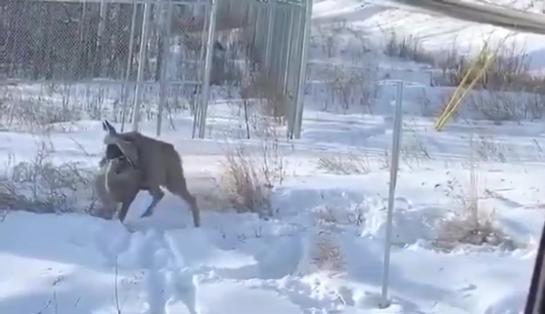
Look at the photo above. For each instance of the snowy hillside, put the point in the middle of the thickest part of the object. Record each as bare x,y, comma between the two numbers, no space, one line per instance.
321,248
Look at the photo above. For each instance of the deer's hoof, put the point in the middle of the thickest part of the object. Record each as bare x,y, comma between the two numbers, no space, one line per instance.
147,213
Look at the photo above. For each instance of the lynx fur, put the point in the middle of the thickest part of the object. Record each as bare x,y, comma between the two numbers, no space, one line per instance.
117,183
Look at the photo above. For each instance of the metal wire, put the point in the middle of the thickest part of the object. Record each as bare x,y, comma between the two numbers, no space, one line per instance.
121,42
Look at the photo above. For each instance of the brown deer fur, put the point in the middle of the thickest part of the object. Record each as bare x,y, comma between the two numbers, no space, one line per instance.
158,165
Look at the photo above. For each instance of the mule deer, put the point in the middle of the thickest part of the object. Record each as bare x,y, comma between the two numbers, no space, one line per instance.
158,165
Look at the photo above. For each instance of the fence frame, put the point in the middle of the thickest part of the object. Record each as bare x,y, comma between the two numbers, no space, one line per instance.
277,61
282,54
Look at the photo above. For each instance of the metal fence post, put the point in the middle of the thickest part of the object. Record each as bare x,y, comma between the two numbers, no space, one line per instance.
207,68
288,51
165,48
125,92
396,139
270,26
141,62
294,67
298,119
202,60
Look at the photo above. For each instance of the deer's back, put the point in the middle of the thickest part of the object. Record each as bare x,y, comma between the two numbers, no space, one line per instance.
157,161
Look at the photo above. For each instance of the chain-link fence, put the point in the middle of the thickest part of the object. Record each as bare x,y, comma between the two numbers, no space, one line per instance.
275,36
166,52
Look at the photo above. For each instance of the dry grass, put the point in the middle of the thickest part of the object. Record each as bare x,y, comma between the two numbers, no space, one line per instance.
500,106
349,86
326,253
488,149
44,187
249,178
469,223
33,114
509,71
413,148
465,229
345,164
408,48
245,183
274,104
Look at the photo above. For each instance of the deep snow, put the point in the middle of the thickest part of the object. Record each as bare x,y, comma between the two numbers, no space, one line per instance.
322,250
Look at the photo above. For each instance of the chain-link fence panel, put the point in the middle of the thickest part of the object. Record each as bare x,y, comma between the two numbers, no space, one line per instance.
101,46
145,53
261,47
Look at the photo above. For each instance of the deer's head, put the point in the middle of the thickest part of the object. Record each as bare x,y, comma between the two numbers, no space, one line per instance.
117,147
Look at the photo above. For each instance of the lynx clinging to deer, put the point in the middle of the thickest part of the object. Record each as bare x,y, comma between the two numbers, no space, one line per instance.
136,162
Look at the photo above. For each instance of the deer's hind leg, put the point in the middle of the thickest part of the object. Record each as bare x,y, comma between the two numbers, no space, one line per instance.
157,194
179,187
124,207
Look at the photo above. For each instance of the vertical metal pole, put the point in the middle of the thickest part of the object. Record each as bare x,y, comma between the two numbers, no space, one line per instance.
270,25
125,91
295,66
141,61
275,56
256,30
398,118
473,202
100,36
207,68
288,51
303,71
283,47
165,44
200,74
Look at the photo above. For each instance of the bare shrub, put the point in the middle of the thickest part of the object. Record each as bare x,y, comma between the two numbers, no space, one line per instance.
497,106
41,186
263,87
447,61
464,229
348,86
34,114
489,150
500,106
468,223
385,160
408,48
363,48
245,184
426,104
509,71
539,149
345,164
248,178
327,39
413,149
534,106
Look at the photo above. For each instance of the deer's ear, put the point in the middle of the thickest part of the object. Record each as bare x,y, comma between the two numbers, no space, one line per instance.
108,127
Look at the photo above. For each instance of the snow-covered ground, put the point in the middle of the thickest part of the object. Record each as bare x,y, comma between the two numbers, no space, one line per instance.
322,250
